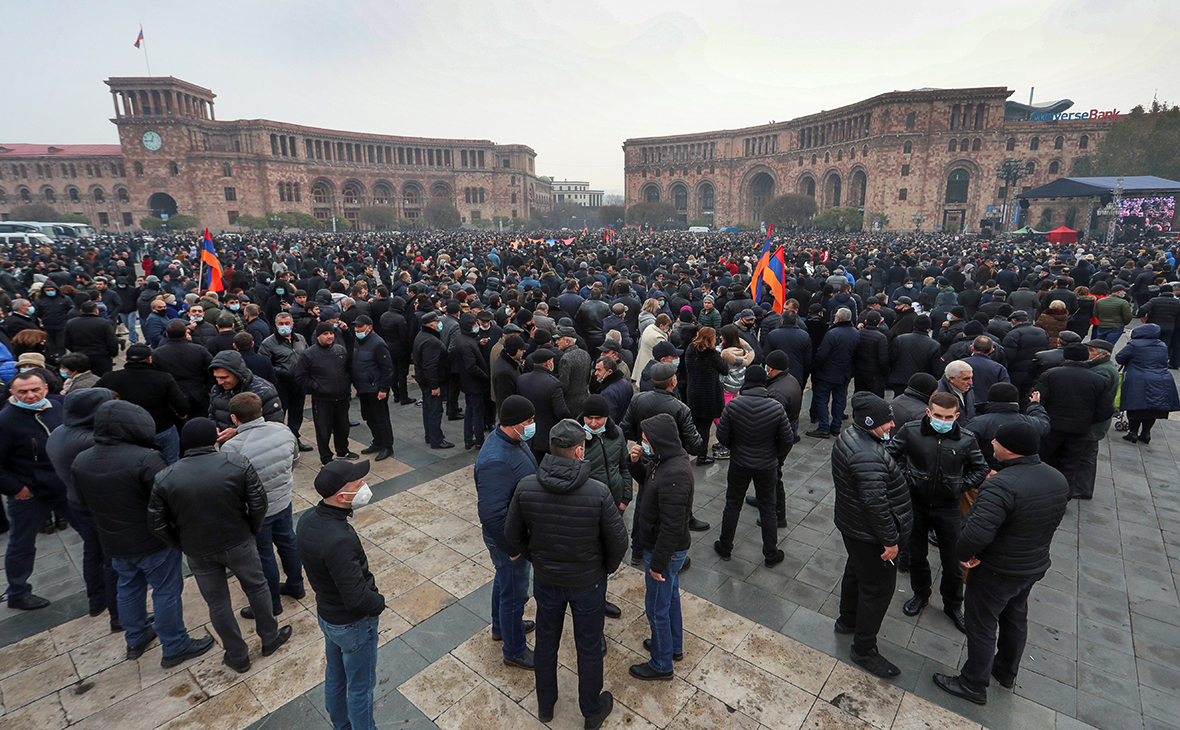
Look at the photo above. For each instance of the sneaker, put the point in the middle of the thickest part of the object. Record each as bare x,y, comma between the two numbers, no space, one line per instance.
593,722
349,455
194,650
720,452
874,663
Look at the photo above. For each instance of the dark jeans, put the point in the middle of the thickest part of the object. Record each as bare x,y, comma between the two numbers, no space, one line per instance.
473,418
1087,470
510,591
398,387
210,572
1172,339
161,571
662,603
102,582
838,392
588,608
1110,334
451,391
351,674
865,592
168,444
25,519
994,602
946,523
292,397
432,411
278,534
780,492
738,483
331,421
375,413
873,384
1066,452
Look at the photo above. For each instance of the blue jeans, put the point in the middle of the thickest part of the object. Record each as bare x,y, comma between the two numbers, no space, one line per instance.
25,518
131,322
101,579
351,675
432,411
589,609
1110,334
838,392
662,604
510,591
277,532
168,442
161,571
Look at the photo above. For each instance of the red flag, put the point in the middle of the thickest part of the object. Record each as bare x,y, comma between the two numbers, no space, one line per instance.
212,265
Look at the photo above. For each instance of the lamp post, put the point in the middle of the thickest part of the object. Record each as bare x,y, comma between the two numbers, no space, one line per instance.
918,218
1010,171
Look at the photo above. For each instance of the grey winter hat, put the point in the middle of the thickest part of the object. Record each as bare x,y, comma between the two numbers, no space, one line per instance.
566,434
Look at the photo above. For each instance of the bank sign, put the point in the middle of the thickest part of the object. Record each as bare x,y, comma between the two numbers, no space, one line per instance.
1112,115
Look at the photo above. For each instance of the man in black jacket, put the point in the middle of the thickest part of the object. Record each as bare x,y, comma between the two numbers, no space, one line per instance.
432,370
570,528
757,431
142,383
871,360
322,370
372,371
1020,347
832,370
1076,398
474,379
94,337
1164,310
912,353
942,461
542,388
1002,408
873,514
1005,544
188,364
210,505
347,601
284,348
395,330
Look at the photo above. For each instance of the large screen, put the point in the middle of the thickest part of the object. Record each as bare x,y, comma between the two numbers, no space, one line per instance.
1147,213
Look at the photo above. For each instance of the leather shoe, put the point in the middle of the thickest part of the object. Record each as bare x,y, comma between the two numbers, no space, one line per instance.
248,612
524,661
296,593
97,610
675,657
371,449
135,651
778,557
383,454
914,606
456,417
644,671
195,649
876,664
407,401
957,618
817,434
28,602
751,500
1005,683
703,461
239,668
687,564
272,647
720,550
545,716
841,628
444,444
954,686
697,525
782,523
613,611
529,627
350,455
304,447
607,703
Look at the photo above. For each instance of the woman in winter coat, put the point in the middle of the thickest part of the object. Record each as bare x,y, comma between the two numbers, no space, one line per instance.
1149,392
1079,321
648,340
647,315
1053,320
705,368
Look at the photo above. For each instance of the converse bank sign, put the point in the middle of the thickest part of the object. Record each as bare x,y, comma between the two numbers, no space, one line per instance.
1113,115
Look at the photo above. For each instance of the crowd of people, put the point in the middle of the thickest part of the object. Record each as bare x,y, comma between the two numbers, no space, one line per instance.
594,375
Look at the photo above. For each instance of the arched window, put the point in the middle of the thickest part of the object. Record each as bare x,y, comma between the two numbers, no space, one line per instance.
864,151
800,160
952,146
680,195
139,169
1054,167
352,194
813,159
26,196
1032,168
226,170
840,155
282,192
976,144
956,186
963,144
411,195
907,148
706,197
1034,143
319,192
1011,145
3,197
75,196
1058,142
50,196
122,195
381,194
852,153
809,187
1084,142
99,196
827,157
174,169
909,120
653,194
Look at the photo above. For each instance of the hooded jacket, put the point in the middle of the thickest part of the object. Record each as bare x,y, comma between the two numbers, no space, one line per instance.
661,520
938,466
566,524
872,498
76,434
114,478
1147,383
273,451
219,398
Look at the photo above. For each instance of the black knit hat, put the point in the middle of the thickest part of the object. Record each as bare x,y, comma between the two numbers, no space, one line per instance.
1019,438
1003,393
924,383
197,432
595,405
755,376
870,410
1076,352
778,360
515,410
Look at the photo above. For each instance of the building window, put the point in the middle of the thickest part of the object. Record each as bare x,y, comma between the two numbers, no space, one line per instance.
680,195
706,198
905,170
127,220
476,215
952,146
232,217
814,159
1032,168
507,162
907,148
910,119
174,169
99,195
864,151
901,194
800,160
1058,142
1084,142
514,198
139,169
381,195
231,194
956,186
122,195
104,220
976,144
1034,143
1054,167
653,194
1011,145
226,170
352,195
50,196
319,193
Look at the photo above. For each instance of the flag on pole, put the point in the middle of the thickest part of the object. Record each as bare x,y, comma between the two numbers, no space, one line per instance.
772,271
212,280
139,38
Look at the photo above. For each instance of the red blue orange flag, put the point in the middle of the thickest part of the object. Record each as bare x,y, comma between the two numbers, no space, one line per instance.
212,280
139,38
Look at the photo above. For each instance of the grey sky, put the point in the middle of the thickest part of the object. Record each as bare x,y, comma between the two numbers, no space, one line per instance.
572,79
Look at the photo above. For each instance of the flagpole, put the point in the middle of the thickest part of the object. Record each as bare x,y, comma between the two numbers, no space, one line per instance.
143,43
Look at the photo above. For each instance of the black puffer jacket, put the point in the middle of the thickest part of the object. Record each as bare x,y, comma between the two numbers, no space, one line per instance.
188,364
1020,345
323,371
207,502
871,359
1011,524
908,406
704,393
872,498
470,365
785,389
431,366
756,430
938,467
231,360
114,478
1075,397
646,405
661,520
284,354
75,434
372,365
1164,310
913,353
566,524
336,565
992,416
143,384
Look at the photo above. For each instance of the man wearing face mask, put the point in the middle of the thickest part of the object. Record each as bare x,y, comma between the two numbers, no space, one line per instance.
504,460
372,370
431,370
543,390
284,348
322,370
348,603
941,460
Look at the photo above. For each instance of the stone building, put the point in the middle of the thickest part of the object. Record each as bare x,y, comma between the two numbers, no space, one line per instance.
924,159
576,192
175,156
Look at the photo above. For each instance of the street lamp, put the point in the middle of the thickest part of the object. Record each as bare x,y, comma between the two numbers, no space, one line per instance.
1010,171
917,218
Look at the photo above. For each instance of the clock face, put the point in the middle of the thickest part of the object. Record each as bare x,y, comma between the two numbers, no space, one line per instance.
152,141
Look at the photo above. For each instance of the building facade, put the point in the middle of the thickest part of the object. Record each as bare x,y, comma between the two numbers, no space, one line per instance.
174,156
574,192
925,159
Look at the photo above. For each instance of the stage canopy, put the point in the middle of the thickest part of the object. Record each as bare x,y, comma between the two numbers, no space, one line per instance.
1135,186
1063,235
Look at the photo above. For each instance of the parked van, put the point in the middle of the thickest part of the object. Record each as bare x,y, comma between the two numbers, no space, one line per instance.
698,229
18,238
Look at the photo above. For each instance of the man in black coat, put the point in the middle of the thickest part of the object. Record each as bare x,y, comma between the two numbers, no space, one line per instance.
757,431
912,353
432,371
142,383
372,371
542,388
94,337
224,339
395,330
283,349
1075,398
570,528
831,373
1005,544
783,387
474,379
188,364
1001,408
590,317
322,370
1164,310
795,342
871,360
1020,346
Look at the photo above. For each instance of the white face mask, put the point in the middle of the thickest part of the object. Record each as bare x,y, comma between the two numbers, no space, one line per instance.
363,495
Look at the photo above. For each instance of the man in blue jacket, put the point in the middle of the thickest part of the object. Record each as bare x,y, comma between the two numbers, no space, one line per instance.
833,370
503,461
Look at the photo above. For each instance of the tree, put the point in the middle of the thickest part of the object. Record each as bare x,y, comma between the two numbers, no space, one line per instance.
482,222
441,213
73,218
39,212
611,216
618,200
341,224
1144,142
882,224
791,209
705,221
253,222
378,216
655,215
850,219
302,221
182,222
151,223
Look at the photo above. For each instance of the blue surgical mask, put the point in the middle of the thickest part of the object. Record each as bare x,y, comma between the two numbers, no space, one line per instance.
361,335
32,309
51,293
529,431
39,404
676,361
594,431
941,426
909,286
235,307
64,374
949,317
646,448
885,437
285,330
279,292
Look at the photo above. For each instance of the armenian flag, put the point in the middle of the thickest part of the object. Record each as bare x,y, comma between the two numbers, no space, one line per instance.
771,270
212,279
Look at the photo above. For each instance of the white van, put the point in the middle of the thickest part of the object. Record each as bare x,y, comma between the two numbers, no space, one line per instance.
33,239
698,229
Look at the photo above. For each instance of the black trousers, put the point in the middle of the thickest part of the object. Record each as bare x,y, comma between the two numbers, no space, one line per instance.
375,413
703,425
1087,471
401,371
737,484
780,493
995,602
588,607
874,384
451,391
865,592
292,398
946,523
1066,452
331,421
100,365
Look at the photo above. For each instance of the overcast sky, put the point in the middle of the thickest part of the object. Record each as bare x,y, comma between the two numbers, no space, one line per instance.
570,78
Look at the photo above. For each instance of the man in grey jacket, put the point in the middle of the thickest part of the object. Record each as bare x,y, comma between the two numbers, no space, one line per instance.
272,451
